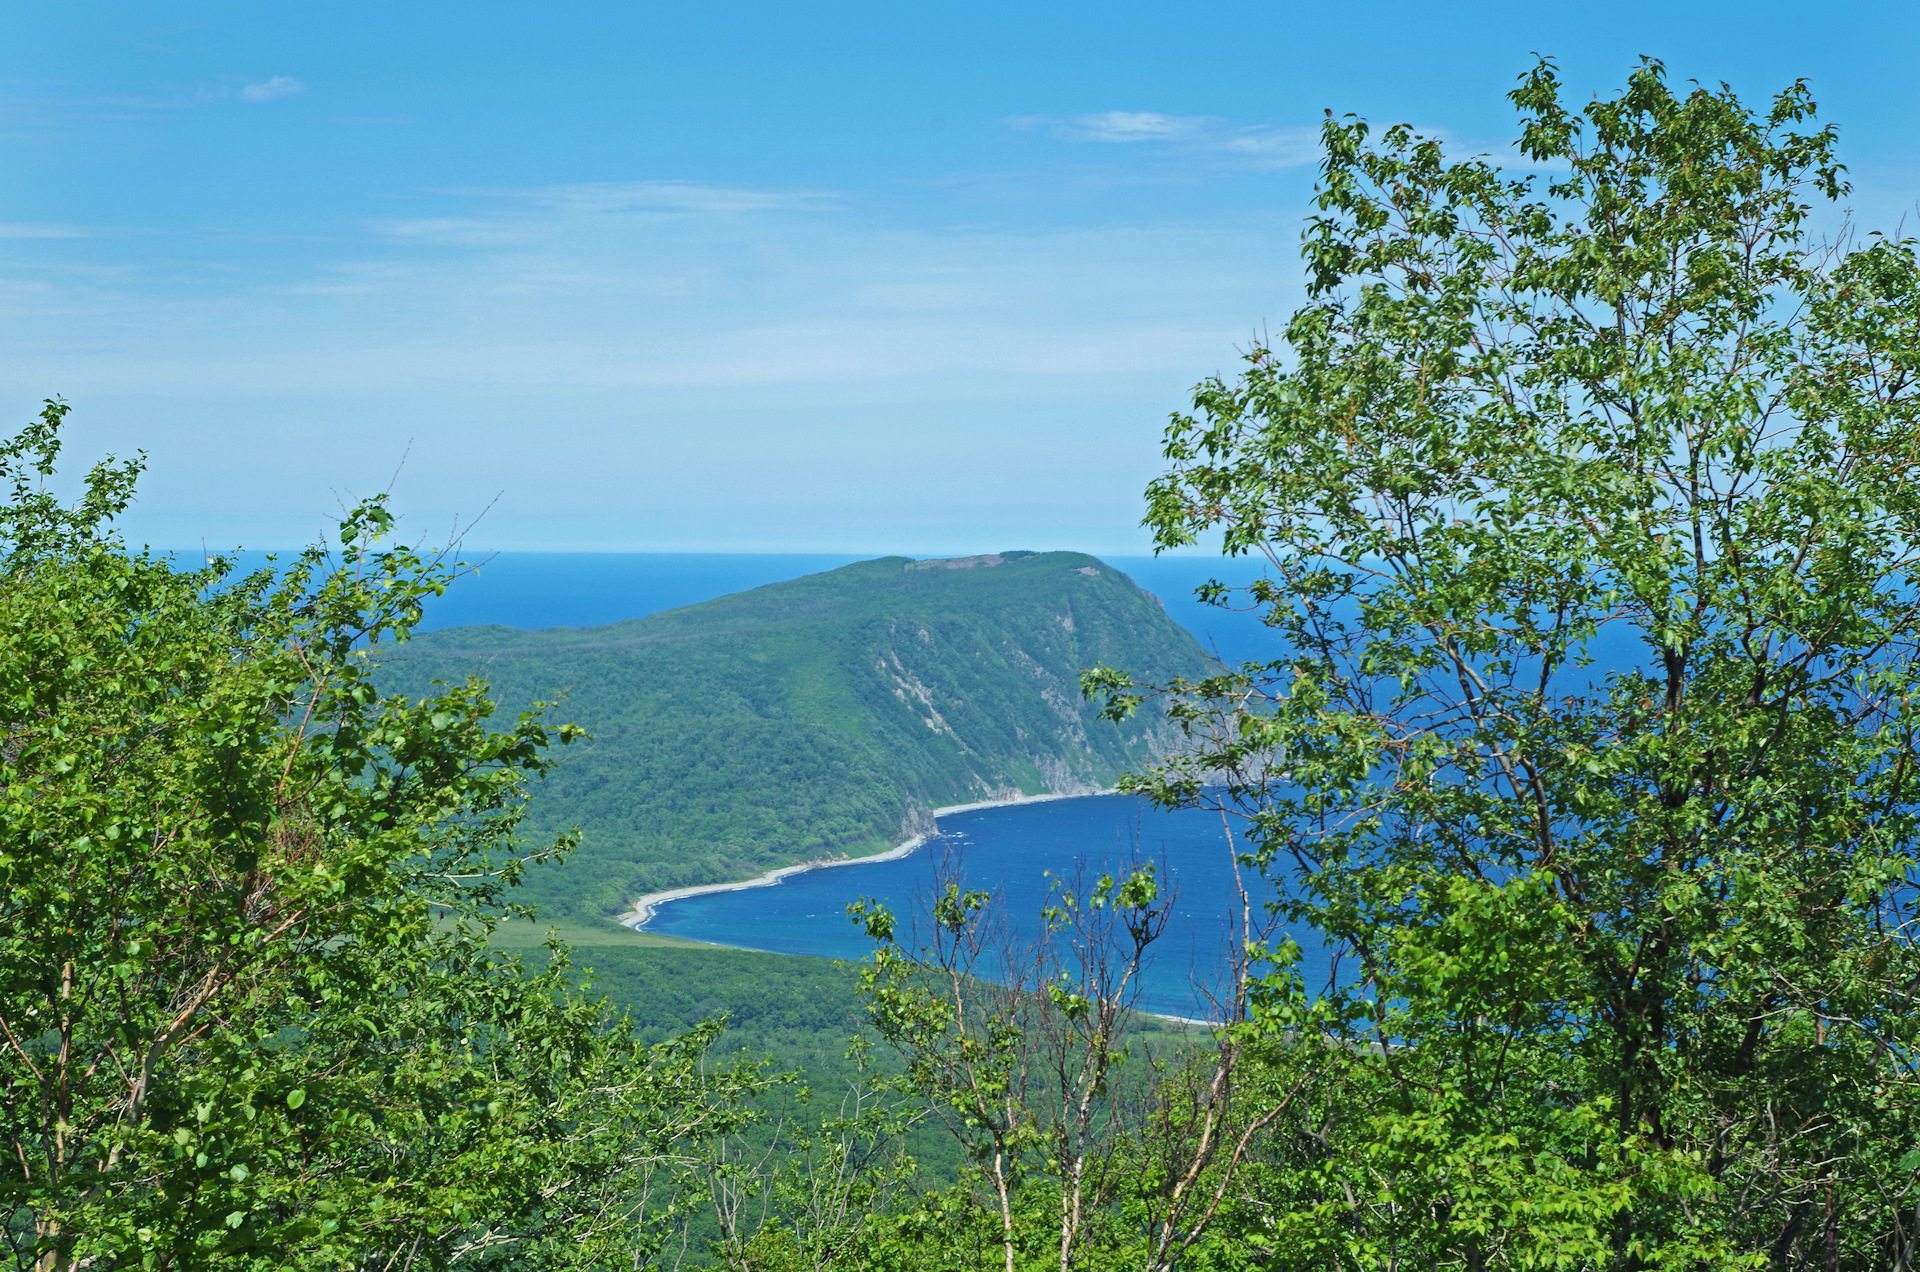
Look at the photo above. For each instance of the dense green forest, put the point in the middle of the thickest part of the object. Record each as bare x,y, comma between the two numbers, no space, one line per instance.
1628,945
821,716
800,1013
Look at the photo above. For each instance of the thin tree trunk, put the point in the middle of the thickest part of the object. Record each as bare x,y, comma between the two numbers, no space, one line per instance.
1006,1206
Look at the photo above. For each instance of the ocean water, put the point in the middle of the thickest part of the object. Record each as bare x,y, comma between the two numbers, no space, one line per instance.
1017,853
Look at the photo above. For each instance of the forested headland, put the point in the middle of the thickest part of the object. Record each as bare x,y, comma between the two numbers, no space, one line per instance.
1628,965
818,717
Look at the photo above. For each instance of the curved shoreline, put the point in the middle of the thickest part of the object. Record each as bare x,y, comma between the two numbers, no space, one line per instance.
645,908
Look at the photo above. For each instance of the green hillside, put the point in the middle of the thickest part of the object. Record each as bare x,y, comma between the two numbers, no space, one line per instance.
820,716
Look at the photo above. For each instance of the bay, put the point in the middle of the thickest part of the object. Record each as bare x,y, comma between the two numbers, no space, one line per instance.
1019,853
1014,851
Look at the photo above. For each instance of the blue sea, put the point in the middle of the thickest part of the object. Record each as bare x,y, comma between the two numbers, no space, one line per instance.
1020,853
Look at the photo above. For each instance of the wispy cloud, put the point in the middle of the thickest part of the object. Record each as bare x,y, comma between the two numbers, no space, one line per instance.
17,230
671,196
52,106
1274,148
523,216
1261,146
1117,125
268,89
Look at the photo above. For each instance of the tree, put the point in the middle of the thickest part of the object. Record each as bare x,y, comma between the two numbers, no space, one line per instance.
1017,1046
835,1184
1589,498
248,1017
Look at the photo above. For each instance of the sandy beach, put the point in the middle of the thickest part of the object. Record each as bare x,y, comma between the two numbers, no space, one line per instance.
644,908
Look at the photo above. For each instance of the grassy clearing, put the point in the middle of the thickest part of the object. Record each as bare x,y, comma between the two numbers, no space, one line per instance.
519,934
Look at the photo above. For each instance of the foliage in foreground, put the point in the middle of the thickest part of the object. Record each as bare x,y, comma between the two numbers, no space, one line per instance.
248,1017
1589,496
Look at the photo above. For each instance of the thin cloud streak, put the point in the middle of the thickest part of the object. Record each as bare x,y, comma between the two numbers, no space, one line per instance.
268,90
24,231
1250,147
658,196
1261,147
1117,126
510,217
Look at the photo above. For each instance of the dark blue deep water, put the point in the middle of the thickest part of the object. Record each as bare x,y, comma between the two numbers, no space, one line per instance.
1009,851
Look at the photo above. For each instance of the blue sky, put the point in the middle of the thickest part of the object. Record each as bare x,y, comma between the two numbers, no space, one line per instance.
753,277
